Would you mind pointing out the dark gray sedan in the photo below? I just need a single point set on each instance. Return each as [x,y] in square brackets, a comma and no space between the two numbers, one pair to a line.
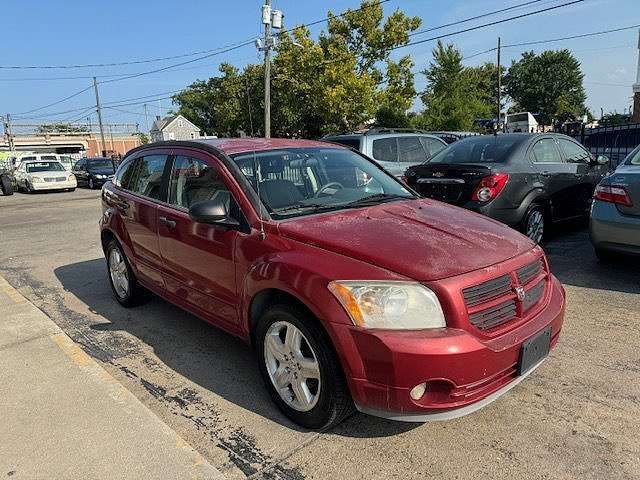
[615,212]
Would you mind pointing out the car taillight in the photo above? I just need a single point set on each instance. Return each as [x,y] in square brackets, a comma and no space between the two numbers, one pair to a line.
[613,194]
[490,187]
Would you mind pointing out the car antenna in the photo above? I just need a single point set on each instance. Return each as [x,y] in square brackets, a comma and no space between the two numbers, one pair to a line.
[258,175]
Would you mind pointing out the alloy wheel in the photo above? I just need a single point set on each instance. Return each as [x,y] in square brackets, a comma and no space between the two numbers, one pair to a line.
[119,273]
[535,226]
[292,366]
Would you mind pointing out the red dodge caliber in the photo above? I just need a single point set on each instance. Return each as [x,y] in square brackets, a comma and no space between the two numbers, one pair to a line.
[354,292]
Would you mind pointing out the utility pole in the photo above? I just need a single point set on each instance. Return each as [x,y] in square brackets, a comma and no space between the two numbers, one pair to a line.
[266,20]
[104,147]
[499,85]
[7,131]
[146,119]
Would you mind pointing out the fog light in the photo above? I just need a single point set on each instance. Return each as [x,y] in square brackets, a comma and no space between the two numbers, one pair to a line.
[418,391]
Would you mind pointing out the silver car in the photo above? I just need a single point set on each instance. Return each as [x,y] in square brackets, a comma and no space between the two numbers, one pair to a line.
[396,149]
[615,212]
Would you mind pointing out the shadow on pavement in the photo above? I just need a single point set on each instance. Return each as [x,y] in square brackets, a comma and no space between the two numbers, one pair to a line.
[205,355]
[574,262]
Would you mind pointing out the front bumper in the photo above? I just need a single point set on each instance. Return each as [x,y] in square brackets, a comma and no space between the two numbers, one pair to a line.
[42,186]
[611,230]
[463,372]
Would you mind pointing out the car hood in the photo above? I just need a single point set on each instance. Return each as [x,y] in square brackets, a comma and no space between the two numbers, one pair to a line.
[421,239]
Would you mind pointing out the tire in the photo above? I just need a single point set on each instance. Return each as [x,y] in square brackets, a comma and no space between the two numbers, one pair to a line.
[128,292]
[534,224]
[91,185]
[5,185]
[71,190]
[605,256]
[332,402]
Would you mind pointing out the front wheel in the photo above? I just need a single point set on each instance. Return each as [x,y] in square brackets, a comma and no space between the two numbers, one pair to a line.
[92,185]
[533,224]
[300,368]
[5,185]
[124,284]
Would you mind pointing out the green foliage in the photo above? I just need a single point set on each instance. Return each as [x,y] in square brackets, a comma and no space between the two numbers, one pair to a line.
[143,138]
[548,84]
[611,119]
[317,86]
[456,95]
[61,128]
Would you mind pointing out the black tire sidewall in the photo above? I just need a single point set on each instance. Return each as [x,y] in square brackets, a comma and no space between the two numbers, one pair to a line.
[130,300]
[6,186]
[326,412]
[525,220]
[91,184]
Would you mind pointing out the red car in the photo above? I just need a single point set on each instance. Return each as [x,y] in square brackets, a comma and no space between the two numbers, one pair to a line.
[353,291]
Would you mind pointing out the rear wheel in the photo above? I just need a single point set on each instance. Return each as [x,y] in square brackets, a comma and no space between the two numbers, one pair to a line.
[300,369]
[91,184]
[124,284]
[6,185]
[533,224]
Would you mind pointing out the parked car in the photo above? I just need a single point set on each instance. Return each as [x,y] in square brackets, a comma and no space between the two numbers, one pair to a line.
[615,213]
[45,157]
[94,172]
[41,175]
[293,246]
[393,148]
[451,137]
[524,180]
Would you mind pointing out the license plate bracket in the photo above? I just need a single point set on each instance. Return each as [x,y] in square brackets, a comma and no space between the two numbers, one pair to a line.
[534,350]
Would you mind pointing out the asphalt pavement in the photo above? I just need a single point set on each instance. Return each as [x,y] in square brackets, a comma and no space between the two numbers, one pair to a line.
[577,416]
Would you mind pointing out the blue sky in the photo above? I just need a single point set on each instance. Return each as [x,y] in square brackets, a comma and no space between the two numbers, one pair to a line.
[74,32]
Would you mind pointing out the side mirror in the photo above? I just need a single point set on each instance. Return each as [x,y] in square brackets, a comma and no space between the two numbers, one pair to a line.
[212,212]
[602,160]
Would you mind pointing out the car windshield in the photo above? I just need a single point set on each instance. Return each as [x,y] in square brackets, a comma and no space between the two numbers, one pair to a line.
[301,181]
[101,164]
[480,149]
[634,158]
[35,167]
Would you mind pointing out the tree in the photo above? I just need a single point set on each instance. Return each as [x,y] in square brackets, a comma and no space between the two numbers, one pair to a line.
[455,96]
[143,138]
[548,84]
[318,86]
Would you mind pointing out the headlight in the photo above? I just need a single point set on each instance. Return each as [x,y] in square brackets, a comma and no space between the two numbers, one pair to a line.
[35,180]
[389,305]
[100,176]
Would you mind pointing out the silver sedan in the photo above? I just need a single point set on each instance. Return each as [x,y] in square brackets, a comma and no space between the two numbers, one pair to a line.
[615,212]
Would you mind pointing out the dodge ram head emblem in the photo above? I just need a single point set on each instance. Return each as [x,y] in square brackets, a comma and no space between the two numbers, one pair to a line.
[520,293]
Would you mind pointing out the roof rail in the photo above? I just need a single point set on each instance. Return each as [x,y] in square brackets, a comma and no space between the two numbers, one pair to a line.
[377,130]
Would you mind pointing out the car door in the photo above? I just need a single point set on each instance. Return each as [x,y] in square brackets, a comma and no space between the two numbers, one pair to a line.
[587,172]
[80,171]
[559,178]
[142,186]
[198,259]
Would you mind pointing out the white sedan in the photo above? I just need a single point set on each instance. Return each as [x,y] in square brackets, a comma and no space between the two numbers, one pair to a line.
[44,175]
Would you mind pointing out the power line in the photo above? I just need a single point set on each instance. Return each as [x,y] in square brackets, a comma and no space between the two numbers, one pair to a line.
[602,32]
[139,74]
[465,20]
[117,64]
[54,103]
[115,102]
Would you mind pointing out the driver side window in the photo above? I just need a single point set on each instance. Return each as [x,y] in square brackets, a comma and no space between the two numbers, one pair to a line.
[193,180]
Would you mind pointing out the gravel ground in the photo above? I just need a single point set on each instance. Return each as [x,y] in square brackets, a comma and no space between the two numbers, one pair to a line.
[576,417]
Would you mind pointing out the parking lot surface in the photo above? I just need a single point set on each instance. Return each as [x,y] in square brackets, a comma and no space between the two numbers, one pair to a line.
[577,416]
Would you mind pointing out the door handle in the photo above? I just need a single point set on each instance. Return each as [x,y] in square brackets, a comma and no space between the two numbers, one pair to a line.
[167,222]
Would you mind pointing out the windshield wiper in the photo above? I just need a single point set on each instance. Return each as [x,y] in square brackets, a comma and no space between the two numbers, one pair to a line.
[315,207]
[375,199]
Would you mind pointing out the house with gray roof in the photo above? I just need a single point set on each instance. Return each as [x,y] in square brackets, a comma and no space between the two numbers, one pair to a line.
[174,127]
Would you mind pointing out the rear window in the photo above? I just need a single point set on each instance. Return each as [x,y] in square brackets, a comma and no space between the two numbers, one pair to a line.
[634,158]
[35,167]
[346,141]
[480,149]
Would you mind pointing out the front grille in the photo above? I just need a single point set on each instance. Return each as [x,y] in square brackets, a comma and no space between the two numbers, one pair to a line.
[505,287]
[494,316]
[528,272]
[487,291]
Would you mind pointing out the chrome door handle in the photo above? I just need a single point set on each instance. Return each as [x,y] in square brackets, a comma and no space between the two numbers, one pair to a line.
[167,223]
